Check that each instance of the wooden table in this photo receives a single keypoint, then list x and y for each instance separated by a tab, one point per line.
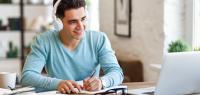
137	85
131	85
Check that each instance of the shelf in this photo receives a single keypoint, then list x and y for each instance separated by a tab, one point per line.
8	4
20	38
9	59
17	4
9	31
18	31
37	4
33	31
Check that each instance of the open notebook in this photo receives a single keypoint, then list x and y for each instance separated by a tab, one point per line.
106	90
114	89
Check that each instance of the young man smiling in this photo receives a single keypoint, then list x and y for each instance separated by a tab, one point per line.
71	54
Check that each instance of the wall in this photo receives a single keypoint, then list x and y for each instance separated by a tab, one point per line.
189	21
174	23
147	41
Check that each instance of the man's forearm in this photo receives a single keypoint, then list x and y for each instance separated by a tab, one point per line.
30	78
113	78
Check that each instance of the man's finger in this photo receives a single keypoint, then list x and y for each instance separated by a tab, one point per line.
62	90
76	85
93	84
94	87
66	88
70	85
86	82
92	79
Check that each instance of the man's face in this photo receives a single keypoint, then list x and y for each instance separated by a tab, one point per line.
74	23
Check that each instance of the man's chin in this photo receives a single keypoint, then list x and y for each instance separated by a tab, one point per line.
78	37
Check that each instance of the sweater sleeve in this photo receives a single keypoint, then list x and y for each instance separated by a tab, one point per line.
108	61
35	61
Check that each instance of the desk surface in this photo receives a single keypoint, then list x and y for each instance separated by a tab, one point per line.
131	85
136	85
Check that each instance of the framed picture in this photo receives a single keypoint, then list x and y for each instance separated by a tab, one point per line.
122	23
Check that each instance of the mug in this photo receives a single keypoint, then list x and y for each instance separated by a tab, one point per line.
7	79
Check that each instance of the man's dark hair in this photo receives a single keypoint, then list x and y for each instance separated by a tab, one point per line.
67	5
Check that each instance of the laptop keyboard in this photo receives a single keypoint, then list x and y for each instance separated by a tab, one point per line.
149	93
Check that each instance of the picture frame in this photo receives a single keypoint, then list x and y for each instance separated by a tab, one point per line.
122	18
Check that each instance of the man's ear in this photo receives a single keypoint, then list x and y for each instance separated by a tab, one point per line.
58	25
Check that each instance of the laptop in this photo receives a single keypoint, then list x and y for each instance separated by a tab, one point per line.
180	75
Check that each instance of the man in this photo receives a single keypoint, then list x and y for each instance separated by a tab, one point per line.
71	54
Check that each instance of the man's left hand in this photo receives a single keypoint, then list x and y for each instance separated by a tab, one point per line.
92	84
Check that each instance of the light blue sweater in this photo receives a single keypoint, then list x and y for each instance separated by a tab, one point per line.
94	51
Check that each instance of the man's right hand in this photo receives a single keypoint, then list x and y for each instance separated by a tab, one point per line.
68	86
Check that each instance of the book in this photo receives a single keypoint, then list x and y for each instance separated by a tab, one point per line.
16	91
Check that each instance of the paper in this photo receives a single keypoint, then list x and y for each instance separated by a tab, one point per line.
50	93
16	91
4	91
142	91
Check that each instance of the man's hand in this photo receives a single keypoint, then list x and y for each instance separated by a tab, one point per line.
92	84
69	86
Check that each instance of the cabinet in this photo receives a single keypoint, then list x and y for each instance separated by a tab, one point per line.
19	24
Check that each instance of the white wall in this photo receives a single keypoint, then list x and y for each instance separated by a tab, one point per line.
174	23
147	41
188	21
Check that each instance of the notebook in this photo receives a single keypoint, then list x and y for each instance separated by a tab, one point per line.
106	90
114	89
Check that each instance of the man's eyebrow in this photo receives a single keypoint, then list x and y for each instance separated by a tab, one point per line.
73	20
84	17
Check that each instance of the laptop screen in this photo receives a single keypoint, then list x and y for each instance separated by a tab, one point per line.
180	74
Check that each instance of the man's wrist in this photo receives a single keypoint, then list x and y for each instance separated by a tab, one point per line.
103	82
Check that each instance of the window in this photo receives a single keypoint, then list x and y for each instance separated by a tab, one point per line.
196	24
93	14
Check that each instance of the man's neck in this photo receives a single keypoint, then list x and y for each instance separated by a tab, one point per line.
68	42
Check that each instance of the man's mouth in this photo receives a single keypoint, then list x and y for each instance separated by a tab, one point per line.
78	32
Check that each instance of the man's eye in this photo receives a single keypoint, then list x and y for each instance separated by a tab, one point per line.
83	19
72	22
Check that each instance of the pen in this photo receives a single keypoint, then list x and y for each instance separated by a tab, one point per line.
93	73
86	82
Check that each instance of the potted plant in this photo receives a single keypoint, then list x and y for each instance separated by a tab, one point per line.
197	49
178	46
13	51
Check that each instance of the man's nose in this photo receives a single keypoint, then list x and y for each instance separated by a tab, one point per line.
80	25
